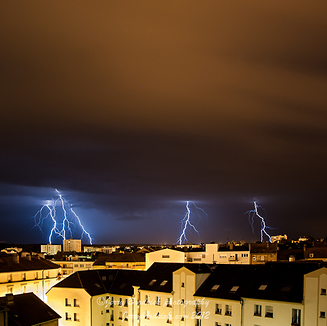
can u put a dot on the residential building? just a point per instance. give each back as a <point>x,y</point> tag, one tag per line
<point>27,274</point>
<point>50,249</point>
<point>26,310</point>
<point>278,238</point>
<point>261,253</point>
<point>115,260</point>
<point>191,294</point>
<point>72,245</point>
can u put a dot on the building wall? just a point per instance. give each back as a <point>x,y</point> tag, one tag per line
<point>164,256</point>
<point>315,298</point>
<point>126,265</point>
<point>72,245</point>
<point>63,301</point>
<point>50,249</point>
<point>282,312</point>
<point>36,281</point>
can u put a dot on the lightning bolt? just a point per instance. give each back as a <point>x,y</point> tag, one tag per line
<point>60,226</point>
<point>254,212</point>
<point>186,222</point>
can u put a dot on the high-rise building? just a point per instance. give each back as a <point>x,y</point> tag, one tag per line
<point>72,245</point>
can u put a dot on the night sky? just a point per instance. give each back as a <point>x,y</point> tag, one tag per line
<point>132,108</point>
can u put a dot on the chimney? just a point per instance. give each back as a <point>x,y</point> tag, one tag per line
<point>15,258</point>
<point>29,257</point>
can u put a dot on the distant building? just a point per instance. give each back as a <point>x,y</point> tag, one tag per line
<point>50,249</point>
<point>278,238</point>
<point>262,253</point>
<point>72,245</point>
<point>26,310</point>
<point>135,261</point>
<point>103,249</point>
<point>12,250</point>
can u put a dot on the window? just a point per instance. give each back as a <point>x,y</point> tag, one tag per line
<point>23,288</point>
<point>323,292</point>
<point>296,317</point>
<point>197,308</point>
<point>228,324</point>
<point>146,299</point>
<point>165,256</point>
<point>219,309</point>
<point>107,311</point>
<point>111,315</point>
<point>257,310</point>
<point>182,318</point>
<point>163,283</point>
<point>125,316</point>
<point>228,310</point>
<point>126,303</point>
<point>286,288</point>
<point>68,317</point>
<point>183,285</point>
<point>67,302</point>
<point>234,289</point>
<point>169,319</point>
<point>197,322</point>
<point>157,301</point>
<point>112,302</point>
<point>322,314</point>
<point>120,317</point>
<point>146,315</point>
<point>215,287</point>
<point>23,276</point>
<point>76,316</point>
<point>76,302</point>
<point>217,324</point>
<point>169,302</point>
<point>262,287</point>
<point>197,259</point>
<point>245,255</point>
<point>152,282</point>
<point>120,303</point>
<point>269,311</point>
<point>203,255</point>
<point>10,289</point>
<point>311,255</point>
<point>82,265</point>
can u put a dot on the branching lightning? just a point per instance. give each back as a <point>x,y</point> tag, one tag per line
<point>186,222</point>
<point>63,224</point>
<point>254,212</point>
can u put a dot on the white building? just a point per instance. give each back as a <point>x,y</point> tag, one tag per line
<point>280,294</point>
<point>278,238</point>
<point>50,249</point>
<point>27,274</point>
<point>72,245</point>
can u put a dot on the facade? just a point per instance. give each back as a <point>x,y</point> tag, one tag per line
<point>213,254</point>
<point>262,253</point>
<point>278,238</point>
<point>50,249</point>
<point>71,266</point>
<point>131,261</point>
<point>27,274</point>
<point>72,245</point>
<point>26,310</point>
<point>195,295</point>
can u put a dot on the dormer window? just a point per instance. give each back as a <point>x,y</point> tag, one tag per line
<point>152,282</point>
<point>215,287</point>
<point>263,287</point>
<point>234,289</point>
<point>163,283</point>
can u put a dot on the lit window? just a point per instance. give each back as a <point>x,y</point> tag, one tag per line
<point>262,287</point>
<point>157,301</point>
<point>146,299</point>
<point>215,287</point>
<point>163,283</point>
<point>169,302</point>
<point>152,282</point>
<point>197,308</point>
<point>234,289</point>
<point>169,319</point>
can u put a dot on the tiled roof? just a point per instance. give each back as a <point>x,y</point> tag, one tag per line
<point>27,309</point>
<point>7,264</point>
<point>154,278</point>
<point>96,282</point>
<point>272,281</point>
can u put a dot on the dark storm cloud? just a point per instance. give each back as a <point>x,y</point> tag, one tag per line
<point>132,107</point>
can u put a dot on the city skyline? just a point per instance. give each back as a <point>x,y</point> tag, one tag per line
<point>133,109</point>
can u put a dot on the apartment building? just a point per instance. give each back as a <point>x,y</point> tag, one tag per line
<point>189,294</point>
<point>71,245</point>
<point>132,261</point>
<point>27,273</point>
